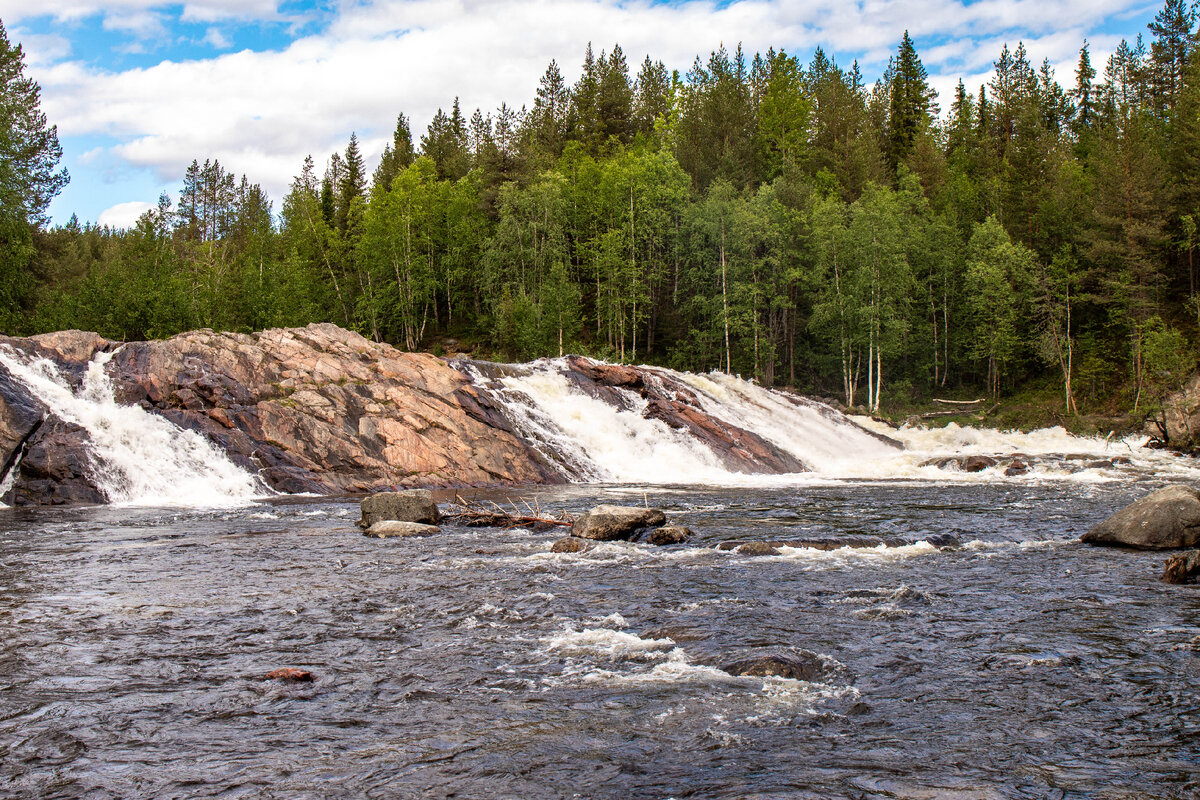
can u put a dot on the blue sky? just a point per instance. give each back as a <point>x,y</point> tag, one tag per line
<point>139,88</point>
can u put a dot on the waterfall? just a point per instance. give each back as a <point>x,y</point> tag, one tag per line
<point>591,438</point>
<point>136,458</point>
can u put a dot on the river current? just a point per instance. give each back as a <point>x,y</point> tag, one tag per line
<point>475,663</point>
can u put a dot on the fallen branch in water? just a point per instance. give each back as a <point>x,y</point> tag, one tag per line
<point>958,402</point>
<point>495,516</point>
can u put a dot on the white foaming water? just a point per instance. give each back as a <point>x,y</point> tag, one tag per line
<point>137,458</point>
<point>591,439</point>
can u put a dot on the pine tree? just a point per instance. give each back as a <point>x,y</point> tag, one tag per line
<point>1173,41</point>
<point>396,156</point>
<point>551,110</point>
<point>911,101</point>
<point>29,178</point>
<point>614,99</point>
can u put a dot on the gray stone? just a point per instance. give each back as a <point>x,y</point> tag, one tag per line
<point>1164,520</point>
<point>571,544</point>
<point>671,534</point>
<point>606,523</point>
<point>393,528</point>
<point>412,506</point>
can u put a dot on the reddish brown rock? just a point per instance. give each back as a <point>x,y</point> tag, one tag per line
<point>324,409</point>
<point>289,675</point>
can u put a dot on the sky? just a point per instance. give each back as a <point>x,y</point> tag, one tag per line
<point>140,88</point>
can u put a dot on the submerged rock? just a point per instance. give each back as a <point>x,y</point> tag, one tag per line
<point>670,534</point>
<point>289,675</point>
<point>1183,568</point>
<point>606,523</point>
<point>572,544</point>
<point>1168,519</point>
<point>393,528</point>
<point>961,463</point>
<point>854,542</point>
<point>756,549</point>
<point>412,506</point>
<point>796,665</point>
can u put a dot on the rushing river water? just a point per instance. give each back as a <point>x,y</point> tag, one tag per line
<point>475,663</point>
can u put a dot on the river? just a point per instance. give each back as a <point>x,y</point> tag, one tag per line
<point>476,663</point>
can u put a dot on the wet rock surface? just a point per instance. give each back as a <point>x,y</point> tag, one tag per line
<point>399,529</point>
<point>793,664</point>
<point>1183,568</point>
<point>1164,520</point>
<point>606,523</point>
<point>416,505</point>
<point>669,534</point>
<point>572,544</point>
<point>962,463</point>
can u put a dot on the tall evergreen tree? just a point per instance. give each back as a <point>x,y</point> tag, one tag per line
<point>911,101</point>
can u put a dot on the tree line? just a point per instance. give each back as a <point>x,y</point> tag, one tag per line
<point>757,215</point>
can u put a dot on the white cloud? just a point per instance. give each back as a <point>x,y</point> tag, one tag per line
<point>217,39</point>
<point>124,215</point>
<point>143,24</point>
<point>41,49</point>
<point>202,10</point>
<point>261,112</point>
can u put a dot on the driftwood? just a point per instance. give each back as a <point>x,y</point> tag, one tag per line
<point>471,515</point>
<point>958,402</point>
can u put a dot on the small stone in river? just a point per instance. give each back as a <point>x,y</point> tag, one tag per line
<point>606,523</point>
<point>757,549</point>
<point>1183,568</point>
<point>411,506</point>
<point>290,675</point>
<point>571,544</point>
<point>393,528</point>
<point>671,534</point>
<point>797,665</point>
<point>1017,467</point>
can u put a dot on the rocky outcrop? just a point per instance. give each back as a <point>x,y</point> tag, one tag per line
<point>607,523</point>
<point>323,409</point>
<point>1164,520</point>
<point>1177,425</point>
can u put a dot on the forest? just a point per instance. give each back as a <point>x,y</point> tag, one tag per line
<point>757,215</point>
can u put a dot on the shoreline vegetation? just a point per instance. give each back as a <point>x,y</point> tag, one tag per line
<point>1029,242</point>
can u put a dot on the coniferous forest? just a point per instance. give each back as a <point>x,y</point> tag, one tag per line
<point>758,215</point>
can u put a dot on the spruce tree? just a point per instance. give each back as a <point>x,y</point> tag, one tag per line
<point>911,105</point>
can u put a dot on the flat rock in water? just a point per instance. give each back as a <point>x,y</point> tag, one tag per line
<point>1168,519</point>
<point>289,675</point>
<point>571,544</point>
<point>670,534</point>
<point>606,523</point>
<point>394,528</point>
<point>412,506</point>
<point>1183,568</point>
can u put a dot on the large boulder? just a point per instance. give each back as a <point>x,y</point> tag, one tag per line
<point>411,506</point>
<point>671,534</point>
<point>606,523</point>
<point>1168,519</point>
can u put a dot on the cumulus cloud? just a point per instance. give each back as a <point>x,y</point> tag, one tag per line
<point>124,215</point>
<point>261,112</point>
<point>217,39</point>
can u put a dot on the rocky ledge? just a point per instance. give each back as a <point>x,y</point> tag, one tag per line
<point>315,409</point>
<point>324,410</point>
